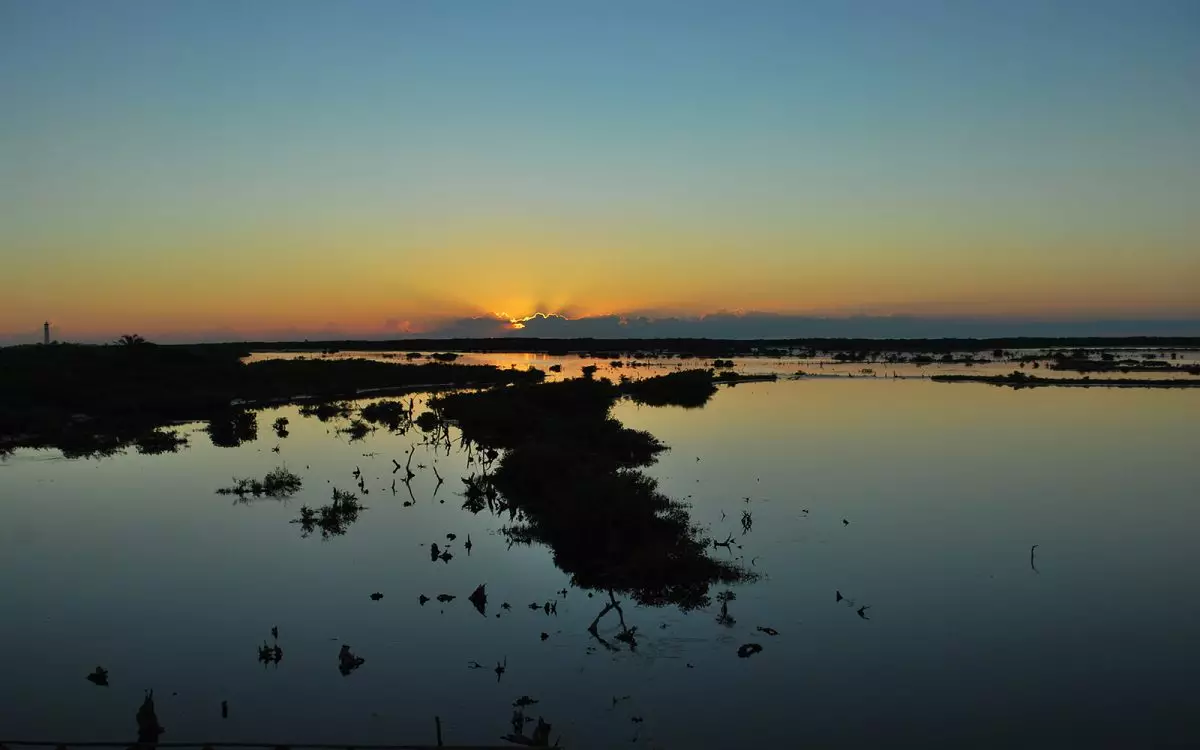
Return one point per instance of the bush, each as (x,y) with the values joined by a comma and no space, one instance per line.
(688,388)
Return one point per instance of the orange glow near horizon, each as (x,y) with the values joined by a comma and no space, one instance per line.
(375,178)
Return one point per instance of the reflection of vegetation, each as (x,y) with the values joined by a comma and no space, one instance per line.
(80,444)
(231,429)
(394,415)
(156,442)
(428,421)
(444,356)
(356,430)
(568,479)
(724,618)
(278,483)
(333,519)
(327,410)
(281,427)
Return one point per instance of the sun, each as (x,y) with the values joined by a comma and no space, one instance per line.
(514,323)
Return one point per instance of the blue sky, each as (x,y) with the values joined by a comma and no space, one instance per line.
(1017,158)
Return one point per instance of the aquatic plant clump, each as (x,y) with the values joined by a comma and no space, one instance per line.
(278,483)
(330,520)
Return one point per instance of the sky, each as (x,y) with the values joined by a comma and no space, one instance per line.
(210,168)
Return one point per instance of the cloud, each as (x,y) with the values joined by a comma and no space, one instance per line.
(725,325)
(753,325)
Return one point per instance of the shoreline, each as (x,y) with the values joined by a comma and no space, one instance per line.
(1026,381)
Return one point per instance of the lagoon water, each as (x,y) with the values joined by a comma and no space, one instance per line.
(134,563)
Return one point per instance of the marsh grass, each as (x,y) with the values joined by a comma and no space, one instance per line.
(333,519)
(278,483)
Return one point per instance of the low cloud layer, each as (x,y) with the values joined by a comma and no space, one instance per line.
(753,325)
(768,325)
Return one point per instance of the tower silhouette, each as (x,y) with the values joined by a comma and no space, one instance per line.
(46,332)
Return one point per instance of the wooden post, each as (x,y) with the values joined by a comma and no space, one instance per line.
(437,721)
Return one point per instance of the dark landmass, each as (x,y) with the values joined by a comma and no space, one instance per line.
(88,398)
(1021,380)
(711,347)
(1108,363)
(690,388)
(96,399)
(568,478)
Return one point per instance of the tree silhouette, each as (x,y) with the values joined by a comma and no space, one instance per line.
(131,339)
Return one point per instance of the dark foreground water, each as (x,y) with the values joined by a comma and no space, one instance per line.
(133,563)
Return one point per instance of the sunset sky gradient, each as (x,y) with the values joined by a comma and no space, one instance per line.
(250,168)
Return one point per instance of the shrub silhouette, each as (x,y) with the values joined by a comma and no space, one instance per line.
(568,479)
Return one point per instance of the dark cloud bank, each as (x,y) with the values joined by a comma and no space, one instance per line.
(715,326)
(766,325)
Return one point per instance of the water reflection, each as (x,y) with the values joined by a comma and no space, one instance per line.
(946,489)
(233,428)
(332,519)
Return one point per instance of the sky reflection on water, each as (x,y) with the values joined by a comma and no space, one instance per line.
(134,563)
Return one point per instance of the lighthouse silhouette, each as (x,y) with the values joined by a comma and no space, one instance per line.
(46,332)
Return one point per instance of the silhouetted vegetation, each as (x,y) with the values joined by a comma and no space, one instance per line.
(394,415)
(327,410)
(130,339)
(427,421)
(356,430)
(568,479)
(149,729)
(333,519)
(278,483)
(709,349)
(1074,363)
(731,377)
(156,442)
(97,399)
(1018,379)
(687,388)
(232,428)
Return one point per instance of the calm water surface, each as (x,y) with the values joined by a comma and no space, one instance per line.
(132,562)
